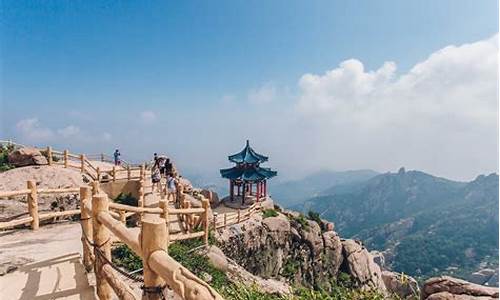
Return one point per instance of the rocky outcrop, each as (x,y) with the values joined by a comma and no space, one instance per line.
(447,288)
(292,247)
(485,277)
(26,157)
(239,275)
(212,197)
(405,287)
(360,265)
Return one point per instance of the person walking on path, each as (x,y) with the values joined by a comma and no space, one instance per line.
(117,155)
(155,179)
(171,190)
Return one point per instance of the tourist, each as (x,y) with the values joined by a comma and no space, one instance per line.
(117,155)
(171,190)
(168,167)
(155,160)
(155,179)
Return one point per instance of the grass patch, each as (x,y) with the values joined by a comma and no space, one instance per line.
(267,213)
(126,199)
(4,158)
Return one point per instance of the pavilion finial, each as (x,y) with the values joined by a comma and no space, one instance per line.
(248,142)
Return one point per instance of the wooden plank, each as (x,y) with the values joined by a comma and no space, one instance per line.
(59,214)
(59,191)
(14,193)
(121,289)
(124,234)
(13,223)
(186,236)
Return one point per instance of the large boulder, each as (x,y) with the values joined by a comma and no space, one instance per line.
(360,265)
(402,285)
(212,197)
(445,287)
(26,157)
(281,247)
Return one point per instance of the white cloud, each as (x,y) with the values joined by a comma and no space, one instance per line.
(148,116)
(264,94)
(68,131)
(440,116)
(32,130)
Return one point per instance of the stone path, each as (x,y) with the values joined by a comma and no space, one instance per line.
(56,271)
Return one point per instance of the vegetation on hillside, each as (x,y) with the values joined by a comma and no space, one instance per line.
(182,252)
(4,158)
(433,225)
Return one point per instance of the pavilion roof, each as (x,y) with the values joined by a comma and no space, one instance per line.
(249,174)
(247,155)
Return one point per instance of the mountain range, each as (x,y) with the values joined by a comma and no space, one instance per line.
(424,225)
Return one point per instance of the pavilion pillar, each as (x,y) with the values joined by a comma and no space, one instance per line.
(265,188)
(231,190)
(257,193)
(244,192)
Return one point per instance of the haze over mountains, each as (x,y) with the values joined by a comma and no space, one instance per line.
(425,225)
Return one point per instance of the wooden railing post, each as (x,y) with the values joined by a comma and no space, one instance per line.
(49,155)
(163,204)
(98,170)
(128,173)
(33,204)
(102,241)
(141,197)
(239,215)
(102,156)
(225,220)
(95,187)
(142,172)
(114,173)
(154,237)
(123,216)
(86,220)
(205,204)
(65,153)
(82,163)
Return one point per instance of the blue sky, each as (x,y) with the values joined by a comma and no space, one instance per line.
(140,74)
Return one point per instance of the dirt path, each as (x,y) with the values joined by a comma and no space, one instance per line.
(56,271)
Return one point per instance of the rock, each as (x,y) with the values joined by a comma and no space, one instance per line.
(212,197)
(26,156)
(276,247)
(11,264)
(360,265)
(493,281)
(402,285)
(445,287)
(217,258)
(327,226)
(239,275)
(378,258)
(481,276)
(332,257)
(276,224)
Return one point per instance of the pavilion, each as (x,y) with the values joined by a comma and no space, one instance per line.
(247,174)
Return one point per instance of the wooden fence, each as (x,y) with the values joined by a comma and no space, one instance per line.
(85,165)
(32,192)
(151,244)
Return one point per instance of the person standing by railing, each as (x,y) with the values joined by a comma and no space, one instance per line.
(117,155)
(171,189)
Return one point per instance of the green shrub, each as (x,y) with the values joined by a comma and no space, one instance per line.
(4,158)
(314,216)
(269,213)
(126,258)
(126,199)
